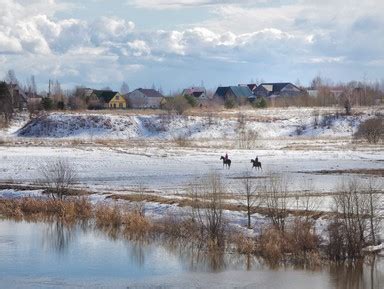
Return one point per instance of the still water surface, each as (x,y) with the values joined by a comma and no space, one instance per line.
(42,255)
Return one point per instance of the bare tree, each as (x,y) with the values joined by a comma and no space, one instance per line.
(375,214)
(208,209)
(275,198)
(57,177)
(351,207)
(250,188)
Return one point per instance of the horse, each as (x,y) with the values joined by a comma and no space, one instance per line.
(226,162)
(256,164)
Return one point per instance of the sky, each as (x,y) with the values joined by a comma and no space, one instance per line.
(173,44)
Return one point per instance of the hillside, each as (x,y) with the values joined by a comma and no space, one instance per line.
(266,124)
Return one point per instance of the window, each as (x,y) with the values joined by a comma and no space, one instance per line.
(117,97)
(121,105)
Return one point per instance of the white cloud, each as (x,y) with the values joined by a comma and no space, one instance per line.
(9,44)
(176,4)
(269,37)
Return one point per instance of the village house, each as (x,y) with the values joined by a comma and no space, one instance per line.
(144,98)
(198,92)
(278,89)
(238,93)
(251,86)
(107,99)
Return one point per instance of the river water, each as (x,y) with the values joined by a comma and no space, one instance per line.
(50,255)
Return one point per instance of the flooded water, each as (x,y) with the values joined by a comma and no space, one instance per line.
(42,255)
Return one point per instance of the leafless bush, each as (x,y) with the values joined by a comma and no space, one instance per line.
(372,130)
(275,198)
(179,104)
(57,177)
(356,219)
(299,242)
(207,211)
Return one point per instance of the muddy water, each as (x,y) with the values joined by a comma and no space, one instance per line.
(40,255)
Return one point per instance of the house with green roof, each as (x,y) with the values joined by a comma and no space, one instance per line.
(239,93)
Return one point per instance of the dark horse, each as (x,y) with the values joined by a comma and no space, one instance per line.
(226,162)
(256,164)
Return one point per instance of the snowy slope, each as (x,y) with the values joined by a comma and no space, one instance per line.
(278,123)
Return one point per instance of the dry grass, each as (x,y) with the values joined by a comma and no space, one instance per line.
(68,211)
(298,242)
(107,216)
(188,201)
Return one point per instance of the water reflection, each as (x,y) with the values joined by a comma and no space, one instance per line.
(137,251)
(85,247)
(356,275)
(58,235)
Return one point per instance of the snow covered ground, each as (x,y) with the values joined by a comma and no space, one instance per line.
(267,124)
(288,143)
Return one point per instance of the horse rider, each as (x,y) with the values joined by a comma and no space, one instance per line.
(226,157)
(257,159)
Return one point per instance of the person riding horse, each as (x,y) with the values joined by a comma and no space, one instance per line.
(226,161)
(256,163)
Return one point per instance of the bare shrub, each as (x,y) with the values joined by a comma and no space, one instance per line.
(275,199)
(299,241)
(302,237)
(356,220)
(179,104)
(271,244)
(208,208)
(372,130)
(57,177)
